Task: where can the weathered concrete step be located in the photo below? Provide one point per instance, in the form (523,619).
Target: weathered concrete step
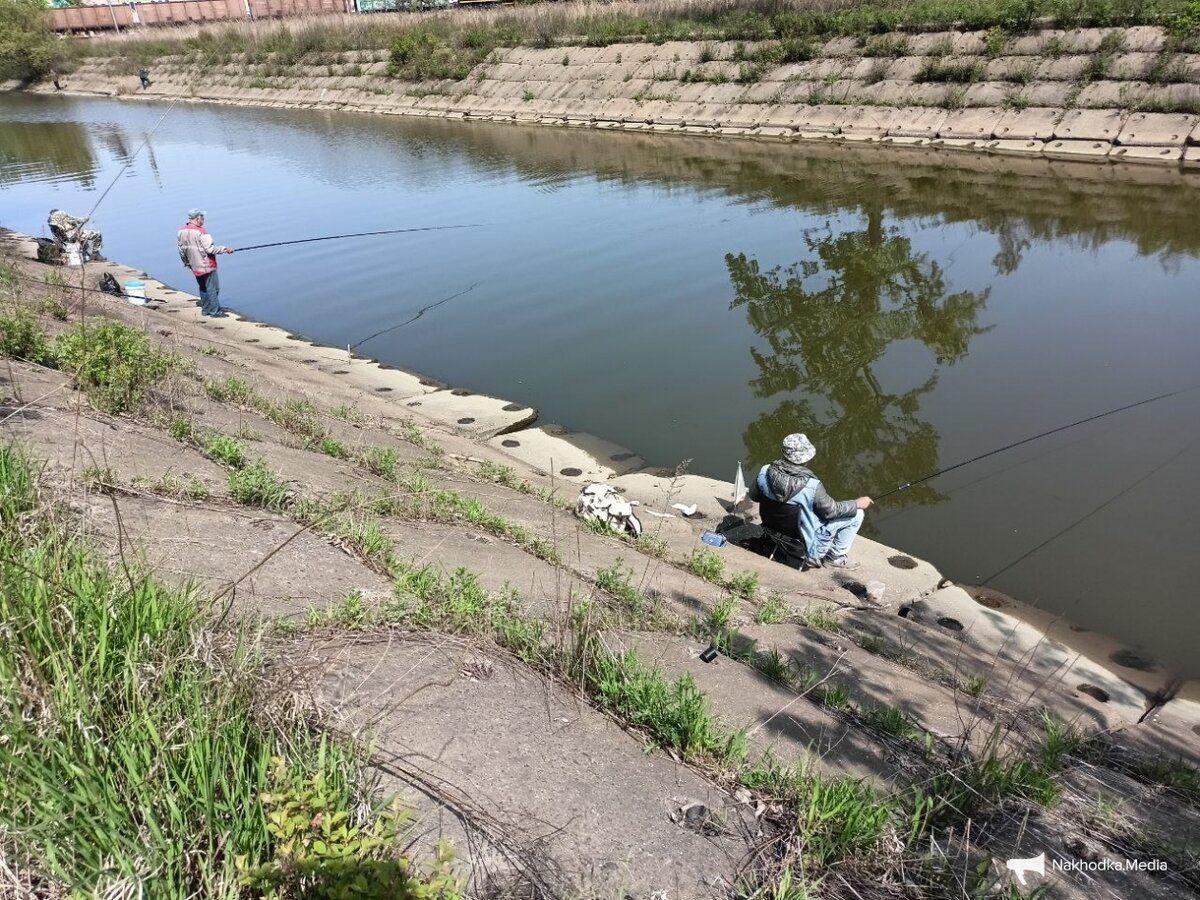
(573,455)
(577,795)
(281,568)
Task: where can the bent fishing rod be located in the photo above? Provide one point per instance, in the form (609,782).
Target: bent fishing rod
(337,237)
(967,462)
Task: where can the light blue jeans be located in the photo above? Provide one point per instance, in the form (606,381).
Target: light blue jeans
(833,538)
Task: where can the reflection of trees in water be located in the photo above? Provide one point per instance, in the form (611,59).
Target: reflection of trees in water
(49,148)
(827,322)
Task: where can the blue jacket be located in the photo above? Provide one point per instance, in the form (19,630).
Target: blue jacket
(802,488)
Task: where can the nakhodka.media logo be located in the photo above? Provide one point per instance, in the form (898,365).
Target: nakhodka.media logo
(1038,865)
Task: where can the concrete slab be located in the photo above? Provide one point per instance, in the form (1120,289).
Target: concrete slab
(1160,155)
(872,121)
(1133,66)
(1157,129)
(1034,123)
(1145,39)
(1016,147)
(474,414)
(973,124)
(1191,158)
(543,767)
(1090,125)
(1089,150)
(1038,669)
(819,118)
(918,122)
(657,490)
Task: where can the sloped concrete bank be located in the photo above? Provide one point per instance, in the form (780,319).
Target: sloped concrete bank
(1092,95)
(1076,674)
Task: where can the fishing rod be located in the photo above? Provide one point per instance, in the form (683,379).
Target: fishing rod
(1111,412)
(336,237)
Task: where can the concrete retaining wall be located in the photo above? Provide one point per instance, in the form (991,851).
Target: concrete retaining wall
(1092,95)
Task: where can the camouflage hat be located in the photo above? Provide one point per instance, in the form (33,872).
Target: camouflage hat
(798,449)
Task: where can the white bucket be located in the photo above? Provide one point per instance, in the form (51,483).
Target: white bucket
(136,292)
(73,254)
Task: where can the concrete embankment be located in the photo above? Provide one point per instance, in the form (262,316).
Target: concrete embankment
(1092,95)
(1085,673)
(552,781)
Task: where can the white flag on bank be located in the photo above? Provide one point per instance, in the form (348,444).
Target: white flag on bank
(739,486)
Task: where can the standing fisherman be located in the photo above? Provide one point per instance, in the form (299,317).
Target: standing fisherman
(199,253)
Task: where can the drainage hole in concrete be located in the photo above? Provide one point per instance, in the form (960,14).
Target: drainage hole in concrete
(172,310)
(1196,728)
(273,347)
(1131,660)
(1094,692)
(900,561)
(512,407)
(570,472)
(425,382)
(383,390)
(341,371)
(904,611)
(251,340)
(509,442)
(310,361)
(466,420)
(621,457)
(989,601)
(952,624)
(459,392)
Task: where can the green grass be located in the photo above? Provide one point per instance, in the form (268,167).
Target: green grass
(675,714)
(744,585)
(898,723)
(772,610)
(888,45)
(707,564)
(775,665)
(821,618)
(258,485)
(21,337)
(113,364)
(1172,773)
(331,446)
(231,390)
(443,48)
(381,461)
(721,614)
(136,740)
(950,71)
(170,485)
(618,581)
(223,449)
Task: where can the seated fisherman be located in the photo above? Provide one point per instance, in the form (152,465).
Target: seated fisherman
(827,526)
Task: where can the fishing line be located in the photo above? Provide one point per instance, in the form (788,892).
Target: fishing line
(335,237)
(1027,440)
(1121,493)
(420,312)
(129,161)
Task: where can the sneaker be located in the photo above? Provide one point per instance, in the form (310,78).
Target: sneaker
(840,562)
(812,564)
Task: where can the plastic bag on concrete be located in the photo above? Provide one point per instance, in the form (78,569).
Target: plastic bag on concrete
(602,503)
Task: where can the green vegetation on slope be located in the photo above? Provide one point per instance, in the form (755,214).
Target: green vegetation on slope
(136,742)
(450,46)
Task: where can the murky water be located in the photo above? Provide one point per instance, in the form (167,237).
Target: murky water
(699,299)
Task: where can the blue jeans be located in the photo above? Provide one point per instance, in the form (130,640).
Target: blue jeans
(209,289)
(833,538)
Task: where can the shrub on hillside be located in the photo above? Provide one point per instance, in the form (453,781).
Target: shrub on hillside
(115,365)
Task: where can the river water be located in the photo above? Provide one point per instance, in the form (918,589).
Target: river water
(696,299)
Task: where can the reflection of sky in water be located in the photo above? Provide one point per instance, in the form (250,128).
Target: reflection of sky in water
(608,296)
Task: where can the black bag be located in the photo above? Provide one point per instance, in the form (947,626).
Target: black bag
(110,285)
